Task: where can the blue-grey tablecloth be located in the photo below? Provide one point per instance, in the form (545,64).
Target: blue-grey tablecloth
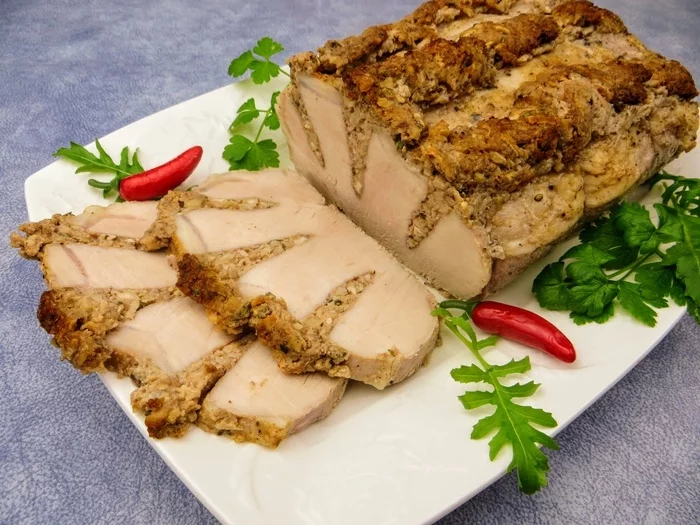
(76,70)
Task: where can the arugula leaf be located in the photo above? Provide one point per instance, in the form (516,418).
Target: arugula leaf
(91,163)
(513,424)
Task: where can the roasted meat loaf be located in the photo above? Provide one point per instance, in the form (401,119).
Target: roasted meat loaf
(472,135)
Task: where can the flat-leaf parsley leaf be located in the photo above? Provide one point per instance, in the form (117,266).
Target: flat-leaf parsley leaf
(626,258)
(243,153)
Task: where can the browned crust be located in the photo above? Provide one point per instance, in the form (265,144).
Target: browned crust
(436,73)
(516,37)
(407,33)
(399,82)
(671,76)
(335,54)
(31,237)
(399,87)
(79,321)
(581,13)
(171,403)
(304,345)
(80,318)
(241,429)
(496,153)
(212,280)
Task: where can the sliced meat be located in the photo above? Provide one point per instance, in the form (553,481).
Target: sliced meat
(125,219)
(123,224)
(392,192)
(76,265)
(176,355)
(255,401)
(113,306)
(438,154)
(315,288)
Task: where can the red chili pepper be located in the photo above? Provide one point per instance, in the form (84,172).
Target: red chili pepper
(525,327)
(158,181)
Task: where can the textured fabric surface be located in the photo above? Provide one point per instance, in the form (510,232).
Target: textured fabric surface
(76,70)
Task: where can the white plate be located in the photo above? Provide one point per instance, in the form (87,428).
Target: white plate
(399,456)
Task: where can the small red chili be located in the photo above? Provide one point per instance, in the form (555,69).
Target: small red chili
(158,181)
(525,327)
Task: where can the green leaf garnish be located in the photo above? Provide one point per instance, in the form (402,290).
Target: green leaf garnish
(258,62)
(91,163)
(511,423)
(243,153)
(253,155)
(662,257)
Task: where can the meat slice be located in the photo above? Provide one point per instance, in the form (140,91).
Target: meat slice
(318,291)
(255,401)
(125,219)
(175,355)
(75,265)
(123,224)
(468,140)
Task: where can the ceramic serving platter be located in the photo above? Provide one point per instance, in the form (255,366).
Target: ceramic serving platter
(402,456)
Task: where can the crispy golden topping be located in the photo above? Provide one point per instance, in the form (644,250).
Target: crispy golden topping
(433,74)
(516,36)
(582,13)
(671,75)
(407,33)
(336,54)
(401,71)
(495,153)
(553,119)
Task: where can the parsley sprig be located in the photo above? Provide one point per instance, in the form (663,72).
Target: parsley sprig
(628,260)
(90,163)
(261,68)
(513,423)
(256,154)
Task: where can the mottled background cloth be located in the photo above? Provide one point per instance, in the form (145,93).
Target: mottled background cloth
(76,70)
